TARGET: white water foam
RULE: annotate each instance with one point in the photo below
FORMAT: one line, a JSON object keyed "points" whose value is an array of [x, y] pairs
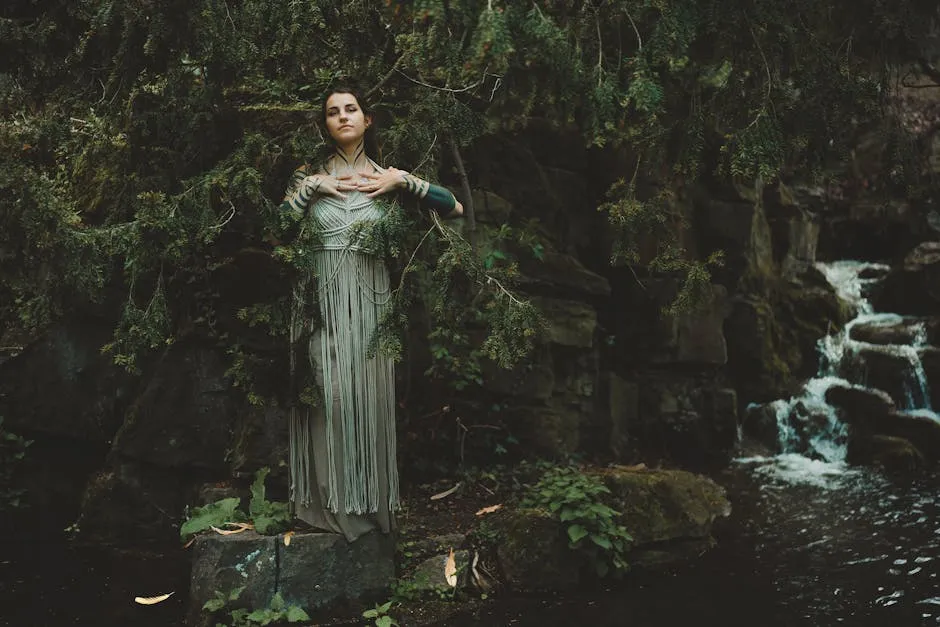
{"points": [[811, 438]]}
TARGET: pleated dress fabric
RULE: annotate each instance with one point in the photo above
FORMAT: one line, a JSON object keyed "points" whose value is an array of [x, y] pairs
{"points": [[344, 475]]}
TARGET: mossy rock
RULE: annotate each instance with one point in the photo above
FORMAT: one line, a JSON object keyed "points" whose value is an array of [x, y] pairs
{"points": [[662, 506], [533, 553]]}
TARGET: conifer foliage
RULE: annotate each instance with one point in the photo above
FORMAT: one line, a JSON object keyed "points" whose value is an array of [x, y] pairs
{"points": [[144, 144]]}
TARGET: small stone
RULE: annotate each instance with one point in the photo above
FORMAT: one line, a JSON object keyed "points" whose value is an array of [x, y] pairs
{"points": [[429, 575]]}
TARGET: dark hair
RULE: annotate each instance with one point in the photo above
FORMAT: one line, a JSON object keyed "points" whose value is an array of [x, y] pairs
{"points": [[371, 143]]}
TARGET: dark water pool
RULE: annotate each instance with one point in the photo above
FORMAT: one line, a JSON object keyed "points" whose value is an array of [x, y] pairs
{"points": [[808, 544]]}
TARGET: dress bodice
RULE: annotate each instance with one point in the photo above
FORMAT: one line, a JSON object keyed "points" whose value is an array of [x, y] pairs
{"points": [[338, 219]]}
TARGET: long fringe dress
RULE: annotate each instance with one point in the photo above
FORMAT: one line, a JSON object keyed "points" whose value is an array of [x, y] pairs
{"points": [[344, 475]]}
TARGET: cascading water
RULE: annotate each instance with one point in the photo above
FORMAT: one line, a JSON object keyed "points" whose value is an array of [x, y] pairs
{"points": [[812, 440]]}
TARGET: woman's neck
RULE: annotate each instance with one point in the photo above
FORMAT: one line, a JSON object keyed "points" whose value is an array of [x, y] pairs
{"points": [[351, 157]]}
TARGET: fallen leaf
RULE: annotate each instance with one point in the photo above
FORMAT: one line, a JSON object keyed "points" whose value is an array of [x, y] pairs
{"points": [[489, 510], [152, 600], [640, 466], [287, 537], [239, 527], [446, 493], [190, 543], [450, 570]]}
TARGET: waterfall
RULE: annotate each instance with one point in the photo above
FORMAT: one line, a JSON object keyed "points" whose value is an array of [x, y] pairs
{"points": [[875, 351]]}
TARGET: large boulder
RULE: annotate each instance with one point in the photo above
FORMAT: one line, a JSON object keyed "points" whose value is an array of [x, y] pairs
{"points": [[670, 514], [62, 385], [889, 331], [312, 571], [922, 429], [666, 511], [185, 414], [913, 287]]}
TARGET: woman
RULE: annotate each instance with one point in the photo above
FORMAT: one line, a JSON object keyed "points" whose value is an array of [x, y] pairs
{"points": [[344, 476]]}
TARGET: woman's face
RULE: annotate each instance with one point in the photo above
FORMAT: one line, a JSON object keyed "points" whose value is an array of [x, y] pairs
{"points": [[345, 121]]}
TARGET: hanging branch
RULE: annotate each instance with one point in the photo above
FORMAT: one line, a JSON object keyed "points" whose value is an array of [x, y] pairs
{"points": [[465, 187]]}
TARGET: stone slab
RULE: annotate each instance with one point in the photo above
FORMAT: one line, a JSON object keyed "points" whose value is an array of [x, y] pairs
{"points": [[320, 568], [224, 563]]}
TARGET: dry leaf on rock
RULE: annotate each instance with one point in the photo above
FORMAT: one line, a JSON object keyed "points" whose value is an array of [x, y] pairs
{"points": [[287, 537], [152, 600], [447, 492], [450, 570], [239, 527], [489, 510]]}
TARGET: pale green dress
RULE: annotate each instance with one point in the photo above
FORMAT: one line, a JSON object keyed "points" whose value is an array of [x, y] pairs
{"points": [[344, 475]]}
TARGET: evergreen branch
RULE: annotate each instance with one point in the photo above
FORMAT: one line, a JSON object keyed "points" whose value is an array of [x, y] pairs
{"points": [[639, 40], [465, 186], [387, 76], [450, 90], [427, 155], [490, 279], [750, 27], [404, 272]]}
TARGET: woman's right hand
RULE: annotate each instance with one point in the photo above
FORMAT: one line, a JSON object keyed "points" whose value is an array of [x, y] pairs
{"points": [[326, 185]]}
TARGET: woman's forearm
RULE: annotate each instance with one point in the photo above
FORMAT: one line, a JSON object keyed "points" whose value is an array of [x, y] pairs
{"points": [[438, 198], [299, 191]]}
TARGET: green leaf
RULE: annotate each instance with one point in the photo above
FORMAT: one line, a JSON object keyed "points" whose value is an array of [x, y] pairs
{"points": [[296, 614], [211, 515], [373, 613], [277, 602], [257, 505], [601, 541], [576, 533]]}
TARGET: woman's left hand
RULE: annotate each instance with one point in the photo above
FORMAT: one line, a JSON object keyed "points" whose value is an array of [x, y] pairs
{"points": [[383, 183]]}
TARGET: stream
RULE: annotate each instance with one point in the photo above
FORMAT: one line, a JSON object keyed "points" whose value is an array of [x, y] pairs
{"points": [[811, 541]]}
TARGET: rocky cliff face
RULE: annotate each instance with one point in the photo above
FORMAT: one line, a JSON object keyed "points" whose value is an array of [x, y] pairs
{"points": [[614, 379]]}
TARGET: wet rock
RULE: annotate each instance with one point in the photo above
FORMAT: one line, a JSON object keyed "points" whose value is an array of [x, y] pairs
{"points": [[922, 429], [860, 406], [890, 369], [902, 331], [773, 330], [318, 569], [760, 423], [914, 287], [893, 454]]}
